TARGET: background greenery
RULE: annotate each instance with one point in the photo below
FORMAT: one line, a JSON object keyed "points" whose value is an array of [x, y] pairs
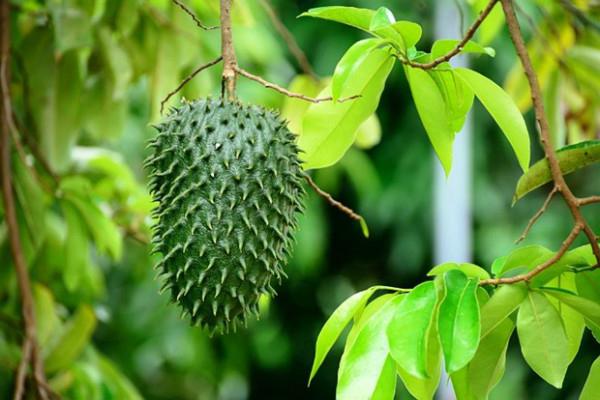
{"points": [[88, 77]]}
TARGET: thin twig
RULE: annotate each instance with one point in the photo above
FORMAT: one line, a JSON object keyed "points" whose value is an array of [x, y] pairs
{"points": [[187, 79], [229, 76], [540, 268], [589, 200], [194, 17], [289, 40], [333, 202], [537, 215], [10, 215], [460, 45], [270, 85]]}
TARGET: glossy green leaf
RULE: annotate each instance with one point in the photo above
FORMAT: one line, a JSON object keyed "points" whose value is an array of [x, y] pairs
{"points": [[458, 97], [329, 128], [386, 385], [334, 326], [408, 333], [369, 133], [74, 337], [478, 378], [588, 285], [293, 109], [365, 360], [505, 300], [587, 308], [350, 63], [458, 321], [382, 18], [591, 389], [570, 158], [432, 111], [503, 110], [470, 270], [443, 46], [357, 17], [542, 337], [411, 32], [424, 388]]}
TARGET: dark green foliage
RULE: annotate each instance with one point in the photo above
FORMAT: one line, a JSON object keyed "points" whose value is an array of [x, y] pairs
{"points": [[228, 184]]}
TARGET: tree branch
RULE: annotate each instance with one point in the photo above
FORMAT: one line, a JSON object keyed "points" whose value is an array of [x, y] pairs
{"points": [[289, 39], [227, 52], [187, 79], [333, 202], [194, 17], [270, 85], [537, 215], [6, 126], [460, 45]]}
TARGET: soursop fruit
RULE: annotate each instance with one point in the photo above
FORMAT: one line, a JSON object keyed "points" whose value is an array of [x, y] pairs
{"points": [[228, 183]]}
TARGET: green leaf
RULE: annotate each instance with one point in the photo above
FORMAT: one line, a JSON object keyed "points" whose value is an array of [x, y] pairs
{"points": [[409, 330], [443, 46], [47, 321], [588, 285], [329, 128], [382, 18], [359, 375], [386, 386], [410, 32], [75, 336], [72, 26], [118, 383], [458, 97], [432, 111], [357, 17], [505, 300], [334, 326], [478, 378], [526, 256], [589, 309], [503, 110], [470, 270], [592, 383], [424, 388], [570, 159], [116, 61], [293, 109], [458, 321], [350, 62], [543, 340], [76, 248], [369, 133]]}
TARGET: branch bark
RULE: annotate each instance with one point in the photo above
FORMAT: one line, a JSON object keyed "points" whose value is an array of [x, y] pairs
{"points": [[29, 353], [228, 52]]}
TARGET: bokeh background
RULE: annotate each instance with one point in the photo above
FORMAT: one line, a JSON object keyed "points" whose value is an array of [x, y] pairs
{"points": [[88, 78]]}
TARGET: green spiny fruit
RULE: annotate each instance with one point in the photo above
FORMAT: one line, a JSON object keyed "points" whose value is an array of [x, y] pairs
{"points": [[228, 183]]}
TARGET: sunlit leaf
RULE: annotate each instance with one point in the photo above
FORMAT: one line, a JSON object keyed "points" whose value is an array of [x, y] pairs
{"points": [[542, 337], [336, 323], [443, 46], [432, 111], [458, 97], [382, 18], [356, 17], [570, 158], [470, 270], [369, 133], [587, 308], [386, 385], [592, 383], [505, 300], [329, 128], [458, 321], [408, 333], [293, 109], [503, 110]]}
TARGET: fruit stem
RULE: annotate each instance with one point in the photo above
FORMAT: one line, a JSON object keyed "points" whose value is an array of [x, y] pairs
{"points": [[228, 52]]}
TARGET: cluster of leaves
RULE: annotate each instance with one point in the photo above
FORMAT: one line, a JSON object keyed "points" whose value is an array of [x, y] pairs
{"points": [[406, 334]]}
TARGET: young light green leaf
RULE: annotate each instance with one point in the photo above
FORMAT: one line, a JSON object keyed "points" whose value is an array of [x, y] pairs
{"points": [[503, 302], [458, 321], [478, 378], [336, 324], [75, 336], [591, 389], [410, 32], [570, 158], [503, 110], [386, 385], [443, 46], [47, 320], [408, 333], [588, 285], [382, 18], [329, 128], [369, 133], [543, 340], [357, 17], [432, 111], [293, 109], [589, 309], [349, 63], [365, 360], [470, 270], [424, 388], [458, 97]]}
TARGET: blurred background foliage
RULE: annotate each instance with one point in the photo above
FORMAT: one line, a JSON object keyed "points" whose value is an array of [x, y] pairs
{"points": [[88, 78]]}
